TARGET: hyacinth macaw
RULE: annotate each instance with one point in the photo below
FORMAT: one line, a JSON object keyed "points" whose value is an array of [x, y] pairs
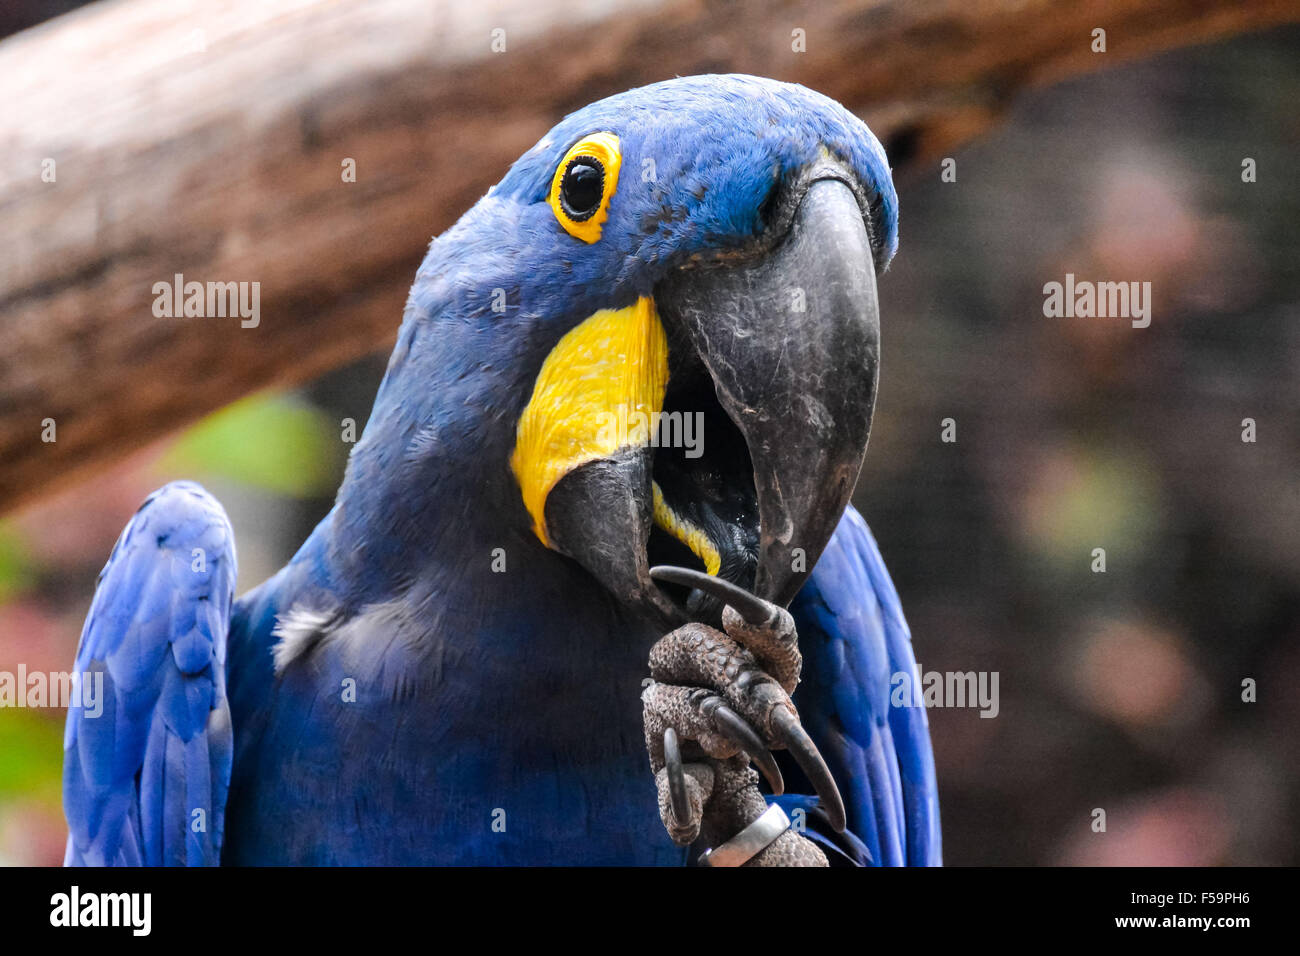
{"points": [[453, 667]]}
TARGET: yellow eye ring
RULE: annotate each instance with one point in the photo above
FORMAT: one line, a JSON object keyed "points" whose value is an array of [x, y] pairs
{"points": [[583, 185]]}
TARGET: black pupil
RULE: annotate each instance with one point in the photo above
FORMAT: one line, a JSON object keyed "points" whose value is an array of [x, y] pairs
{"points": [[582, 188]]}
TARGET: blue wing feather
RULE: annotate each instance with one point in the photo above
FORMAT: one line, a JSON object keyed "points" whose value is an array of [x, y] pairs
{"points": [[135, 774], [854, 638]]}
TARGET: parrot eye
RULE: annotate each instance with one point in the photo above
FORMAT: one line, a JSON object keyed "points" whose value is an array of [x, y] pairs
{"points": [[583, 185]]}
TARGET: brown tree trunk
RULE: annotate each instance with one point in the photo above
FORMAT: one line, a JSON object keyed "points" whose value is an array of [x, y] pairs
{"points": [[208, 140]]}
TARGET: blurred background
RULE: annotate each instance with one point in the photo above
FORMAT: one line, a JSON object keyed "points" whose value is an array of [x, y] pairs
{"points": [[1120, 691]]}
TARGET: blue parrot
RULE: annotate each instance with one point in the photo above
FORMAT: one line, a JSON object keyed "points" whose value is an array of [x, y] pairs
{"points": [[627, 407]]}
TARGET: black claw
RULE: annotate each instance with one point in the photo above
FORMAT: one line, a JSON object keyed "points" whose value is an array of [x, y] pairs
{"points": [[677, 800], [752, 608], [805, 753], [731, 726]]}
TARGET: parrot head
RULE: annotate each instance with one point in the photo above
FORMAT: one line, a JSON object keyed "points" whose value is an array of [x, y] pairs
{"points": [[659, 335]]}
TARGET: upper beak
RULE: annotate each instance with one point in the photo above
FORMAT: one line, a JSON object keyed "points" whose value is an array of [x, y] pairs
{"points": [[792, 341], [790, 336]]}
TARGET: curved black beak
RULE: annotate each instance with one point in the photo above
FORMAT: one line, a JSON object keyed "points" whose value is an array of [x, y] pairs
{"points": [[791, 339], [780, 341]]}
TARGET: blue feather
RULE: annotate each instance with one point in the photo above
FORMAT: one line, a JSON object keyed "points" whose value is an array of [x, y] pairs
{"points": [[135, 774], [854, 638]]}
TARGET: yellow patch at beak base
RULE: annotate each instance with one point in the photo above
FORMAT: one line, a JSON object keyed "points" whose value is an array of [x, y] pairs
{"points": [[601, 389]]}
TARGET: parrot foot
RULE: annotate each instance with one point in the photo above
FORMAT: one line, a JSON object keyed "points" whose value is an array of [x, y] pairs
{"points": [[723, 799], [716, 701]]}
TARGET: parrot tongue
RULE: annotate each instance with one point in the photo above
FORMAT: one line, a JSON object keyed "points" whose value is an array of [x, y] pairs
{"points": [[775, 355]]}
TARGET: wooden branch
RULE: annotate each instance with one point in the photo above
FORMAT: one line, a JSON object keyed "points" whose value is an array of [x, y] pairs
{"points": [[207, 140]]}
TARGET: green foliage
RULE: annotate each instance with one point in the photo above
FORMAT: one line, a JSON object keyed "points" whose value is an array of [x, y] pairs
{"points": [[16, 572], [274, 442], [31, 754]]}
